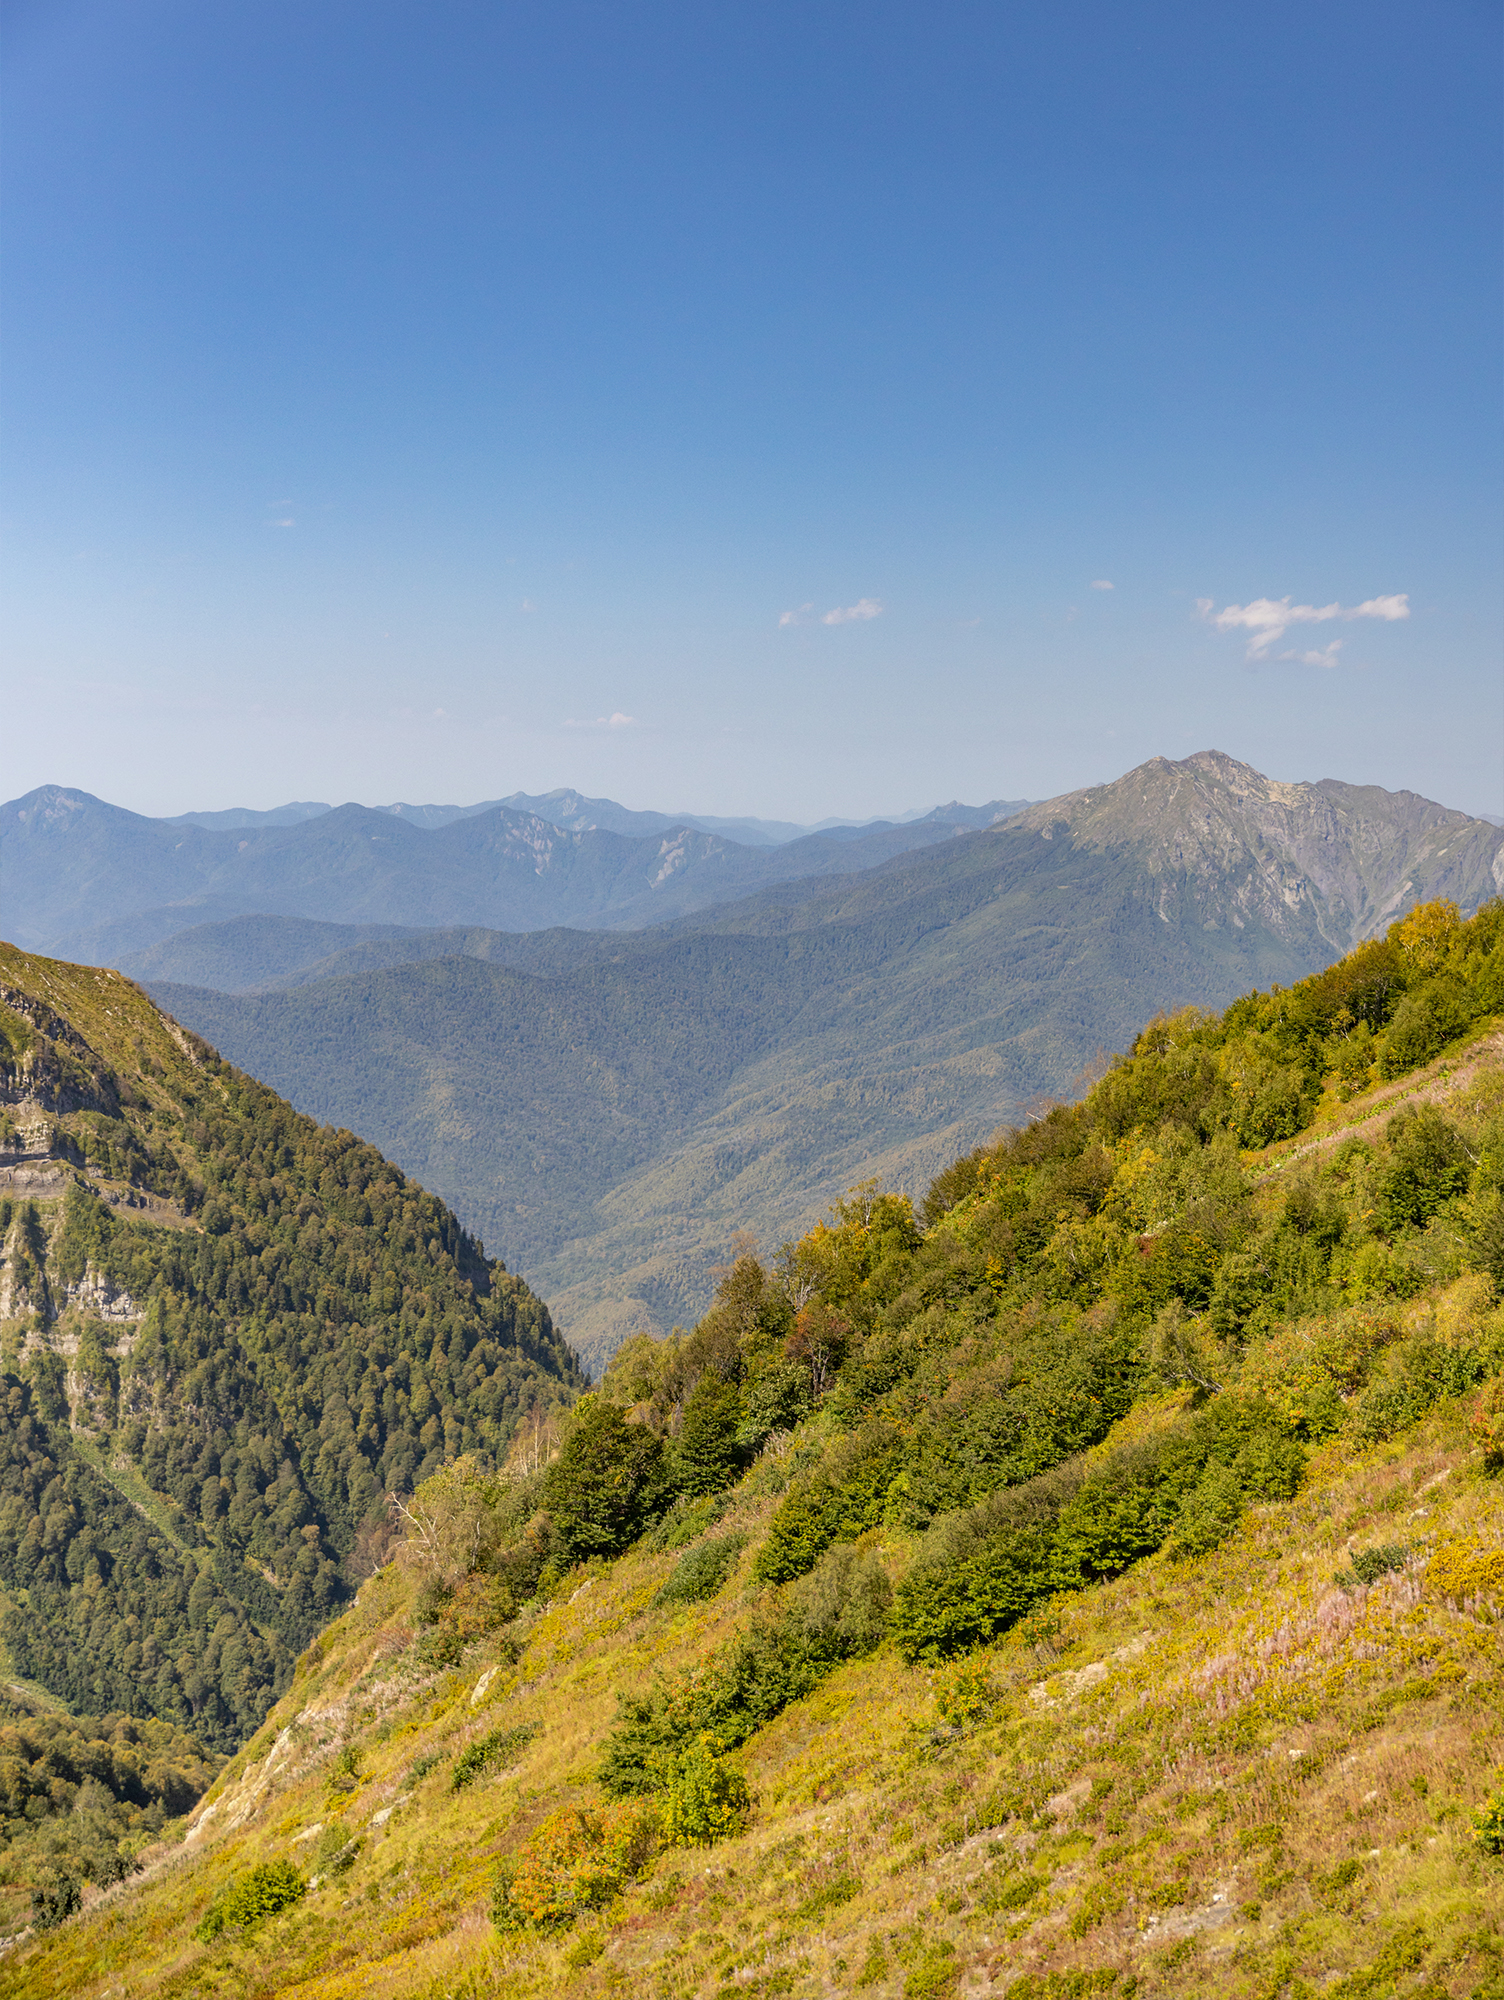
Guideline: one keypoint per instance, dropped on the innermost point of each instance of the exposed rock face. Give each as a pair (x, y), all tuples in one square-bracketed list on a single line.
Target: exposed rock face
[(45, 1064), (1340, 861)]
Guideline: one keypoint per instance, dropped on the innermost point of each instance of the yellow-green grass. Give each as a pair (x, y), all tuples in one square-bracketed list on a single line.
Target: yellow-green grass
[(1225, 1775)]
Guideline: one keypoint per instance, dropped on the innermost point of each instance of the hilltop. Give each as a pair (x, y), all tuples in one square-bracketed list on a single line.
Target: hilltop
[(609, 1110), (226, 1335), (1086, 1582)]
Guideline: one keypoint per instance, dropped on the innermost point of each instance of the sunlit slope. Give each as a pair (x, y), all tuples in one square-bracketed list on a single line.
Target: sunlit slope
[(1088, 1584)]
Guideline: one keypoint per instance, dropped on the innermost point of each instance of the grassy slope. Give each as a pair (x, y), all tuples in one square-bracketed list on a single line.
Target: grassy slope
[(1205, 1749), (1224, 1776)]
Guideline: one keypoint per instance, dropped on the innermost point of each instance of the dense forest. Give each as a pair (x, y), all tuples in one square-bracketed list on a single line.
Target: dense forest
[(227, 1335)]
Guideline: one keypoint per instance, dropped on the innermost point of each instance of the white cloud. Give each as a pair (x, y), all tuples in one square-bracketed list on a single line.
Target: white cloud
[(1102, 584), (798, 617), (528, 604), (1268, 619), (854, 614), (616, 720)]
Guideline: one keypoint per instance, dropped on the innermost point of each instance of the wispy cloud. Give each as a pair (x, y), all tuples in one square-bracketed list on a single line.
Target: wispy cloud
[(1268, 619), (528, 604), (840, 614), (1102, 584), (616, 720)]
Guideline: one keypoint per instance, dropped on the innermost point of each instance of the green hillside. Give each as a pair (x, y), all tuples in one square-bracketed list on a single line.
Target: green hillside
[(1088, 1583), (226, 1334)]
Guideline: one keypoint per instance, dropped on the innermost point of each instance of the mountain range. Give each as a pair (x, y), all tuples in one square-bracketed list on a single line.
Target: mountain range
[(608, 1109), (93, 882)]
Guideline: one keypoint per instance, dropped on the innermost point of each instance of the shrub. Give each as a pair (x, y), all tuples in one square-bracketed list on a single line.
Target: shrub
[(432, 1595), (1368, 1565), (964, 1693), (1467, 1568), (1419, 1374), (56, 1895), (701, 1571), (940, 1610), (576, 1861), (1430, 1015), (249, 1899), (337, 1850), (1488, 1825), (685, 1522), (706, 1453), (1208, 1514), (490, 1753), (835, 1503), (1487, 1423), (705, 1799), (606, 1483), (1429, 1166), (439, 1647), (841, 1607)]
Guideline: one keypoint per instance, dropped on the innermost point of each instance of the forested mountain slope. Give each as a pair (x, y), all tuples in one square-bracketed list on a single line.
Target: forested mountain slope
[(1089, 1582), (610, 1110), (226, 1335)]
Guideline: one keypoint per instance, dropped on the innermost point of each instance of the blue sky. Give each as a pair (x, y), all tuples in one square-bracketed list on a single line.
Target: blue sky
[(430, 401)]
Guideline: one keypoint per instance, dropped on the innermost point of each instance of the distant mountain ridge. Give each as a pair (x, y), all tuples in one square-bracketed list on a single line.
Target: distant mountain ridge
[(93, 882), (609, 1108), (575, 813)]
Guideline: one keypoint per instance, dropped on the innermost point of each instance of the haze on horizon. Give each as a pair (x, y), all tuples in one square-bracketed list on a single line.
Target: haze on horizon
[(802, 412)]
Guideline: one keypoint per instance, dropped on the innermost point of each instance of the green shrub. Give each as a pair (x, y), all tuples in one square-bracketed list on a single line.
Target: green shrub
[(337, 1850), (1208, 1514), (56, 1895), (1429, 1166), (431, 1597), (439, 1647), (701, 1571), (841, 1607), (964, 1693), (941, 1609), (490, 1753), (249, 1899), (706, 1453), (1418, 1374), (704, 1799), (1370, 1564), (607, 1482), (835, 1503), (1488, 1825), (1430, 1015), (685, 1522)]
